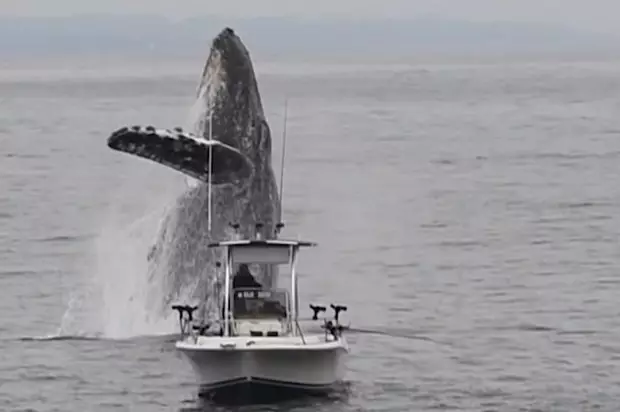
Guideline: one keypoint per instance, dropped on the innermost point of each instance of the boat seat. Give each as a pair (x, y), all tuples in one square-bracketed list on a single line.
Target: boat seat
[(251, 327)]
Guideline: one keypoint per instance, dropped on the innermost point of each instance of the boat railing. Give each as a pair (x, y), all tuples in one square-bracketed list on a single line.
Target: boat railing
[(191, 327)]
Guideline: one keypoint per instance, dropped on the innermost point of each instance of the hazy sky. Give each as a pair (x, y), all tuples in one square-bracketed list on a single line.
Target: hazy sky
[(601, 15)]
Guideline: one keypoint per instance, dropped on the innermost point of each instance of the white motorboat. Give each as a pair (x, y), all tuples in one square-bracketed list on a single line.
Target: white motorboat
[(258, 343)]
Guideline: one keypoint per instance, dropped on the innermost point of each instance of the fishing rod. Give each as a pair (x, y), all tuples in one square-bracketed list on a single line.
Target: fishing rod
[(390, 334), (335, 326), (209, 218)]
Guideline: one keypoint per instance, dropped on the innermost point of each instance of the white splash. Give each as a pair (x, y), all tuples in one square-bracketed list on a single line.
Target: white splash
[(124, 281), (111, 299)]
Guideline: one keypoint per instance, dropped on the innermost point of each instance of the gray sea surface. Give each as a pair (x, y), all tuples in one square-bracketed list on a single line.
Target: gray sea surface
[(472, 203)]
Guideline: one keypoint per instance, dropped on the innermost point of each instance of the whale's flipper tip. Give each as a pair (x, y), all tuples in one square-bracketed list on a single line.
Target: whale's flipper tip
[(183, 152)]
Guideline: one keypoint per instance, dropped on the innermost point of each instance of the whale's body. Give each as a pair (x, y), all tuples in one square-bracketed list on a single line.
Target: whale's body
[(243, 190)]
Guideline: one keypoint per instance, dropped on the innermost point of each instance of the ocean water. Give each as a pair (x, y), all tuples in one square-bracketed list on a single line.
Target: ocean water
[(472, 203)]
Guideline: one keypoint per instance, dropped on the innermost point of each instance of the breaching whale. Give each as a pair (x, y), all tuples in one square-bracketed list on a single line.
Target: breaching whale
[(244, 189)]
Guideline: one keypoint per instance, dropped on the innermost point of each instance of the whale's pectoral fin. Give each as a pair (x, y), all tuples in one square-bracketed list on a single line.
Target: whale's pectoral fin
[(184, 152)]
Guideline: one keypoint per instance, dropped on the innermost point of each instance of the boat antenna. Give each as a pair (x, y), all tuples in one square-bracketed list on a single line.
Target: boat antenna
[(283, 154), (210, 169)]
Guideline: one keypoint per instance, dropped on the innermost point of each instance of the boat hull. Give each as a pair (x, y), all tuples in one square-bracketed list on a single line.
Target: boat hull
[(258, 370), (259, 390)]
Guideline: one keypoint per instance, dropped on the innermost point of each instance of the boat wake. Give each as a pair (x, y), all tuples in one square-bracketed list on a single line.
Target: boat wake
[(167, 338), (52, 338)]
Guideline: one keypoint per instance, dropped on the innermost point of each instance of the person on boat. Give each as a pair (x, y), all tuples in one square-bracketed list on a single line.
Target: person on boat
[(244, 278)]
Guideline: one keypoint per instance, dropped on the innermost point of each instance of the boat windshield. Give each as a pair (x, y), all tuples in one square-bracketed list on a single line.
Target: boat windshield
[(259, 303)]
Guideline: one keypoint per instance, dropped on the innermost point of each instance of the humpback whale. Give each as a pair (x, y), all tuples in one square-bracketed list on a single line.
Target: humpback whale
[(243, 186)]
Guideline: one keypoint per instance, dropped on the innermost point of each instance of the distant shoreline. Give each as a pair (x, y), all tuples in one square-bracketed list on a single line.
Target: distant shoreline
[(279, 37)]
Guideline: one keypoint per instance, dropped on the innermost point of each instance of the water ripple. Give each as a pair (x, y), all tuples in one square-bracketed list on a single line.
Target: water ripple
[(471, 204)]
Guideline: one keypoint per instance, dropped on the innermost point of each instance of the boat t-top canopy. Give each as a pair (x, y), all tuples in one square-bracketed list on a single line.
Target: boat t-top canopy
[(262, 242), (268, 251), (261, 251)]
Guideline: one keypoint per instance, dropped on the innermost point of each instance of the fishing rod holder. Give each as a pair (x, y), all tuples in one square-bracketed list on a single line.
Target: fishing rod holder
[(332, 327), (337, 309), (317, 309), (186, 316)]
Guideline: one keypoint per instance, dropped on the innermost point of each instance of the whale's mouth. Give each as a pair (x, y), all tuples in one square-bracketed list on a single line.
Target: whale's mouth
[(184, 152)]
